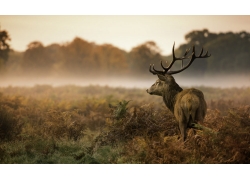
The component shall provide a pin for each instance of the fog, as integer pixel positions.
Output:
(143, 83)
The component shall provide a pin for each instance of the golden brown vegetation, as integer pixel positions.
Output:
(94, 124)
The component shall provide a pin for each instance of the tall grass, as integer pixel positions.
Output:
(94, 124)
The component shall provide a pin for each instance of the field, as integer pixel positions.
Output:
(99, 124)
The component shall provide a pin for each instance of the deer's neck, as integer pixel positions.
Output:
(169, 96)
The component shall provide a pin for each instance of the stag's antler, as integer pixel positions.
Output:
(166, 70)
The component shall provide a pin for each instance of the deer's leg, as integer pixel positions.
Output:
(183, 126)
(183, 129)
(192, 119)
(199, 115)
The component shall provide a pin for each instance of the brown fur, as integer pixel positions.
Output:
(188, 106)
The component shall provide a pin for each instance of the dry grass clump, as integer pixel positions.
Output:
(142, 121)
(231, 143)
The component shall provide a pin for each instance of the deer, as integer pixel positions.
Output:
(187, 105)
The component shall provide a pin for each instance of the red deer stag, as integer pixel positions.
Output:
(188, 105)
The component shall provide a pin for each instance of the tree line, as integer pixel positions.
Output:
(230, 55)
(230, 52)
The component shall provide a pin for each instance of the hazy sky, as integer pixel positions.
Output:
(125, 32)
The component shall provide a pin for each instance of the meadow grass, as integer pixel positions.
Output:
(100, 124)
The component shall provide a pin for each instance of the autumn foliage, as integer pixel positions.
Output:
(94, 124)
(80, 58)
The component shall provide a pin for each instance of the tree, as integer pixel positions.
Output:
(4, 46)
(83, 58)
(35, 60)
(230, 52)
(144, 55)
(77, 56)
(110, 60)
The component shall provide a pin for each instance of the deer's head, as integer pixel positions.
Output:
(166, 82)
(163, 84)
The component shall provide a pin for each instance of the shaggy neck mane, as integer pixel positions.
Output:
(169, 97)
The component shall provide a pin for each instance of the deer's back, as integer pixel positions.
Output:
(190, 102)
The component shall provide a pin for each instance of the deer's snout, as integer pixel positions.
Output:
(149, 92)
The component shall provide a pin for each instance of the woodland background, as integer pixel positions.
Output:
(80, 58)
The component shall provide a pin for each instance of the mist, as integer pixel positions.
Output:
(225, 81)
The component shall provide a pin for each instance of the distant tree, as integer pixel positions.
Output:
(85, 58)
(230, 52)
(143, 55)
(110, 60)
(36, 60)
(56, 58)
(4, 46)
(199, 38)
(78, 57)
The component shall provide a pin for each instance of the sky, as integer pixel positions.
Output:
(122, 31)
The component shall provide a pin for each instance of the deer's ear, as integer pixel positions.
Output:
(161, 77)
